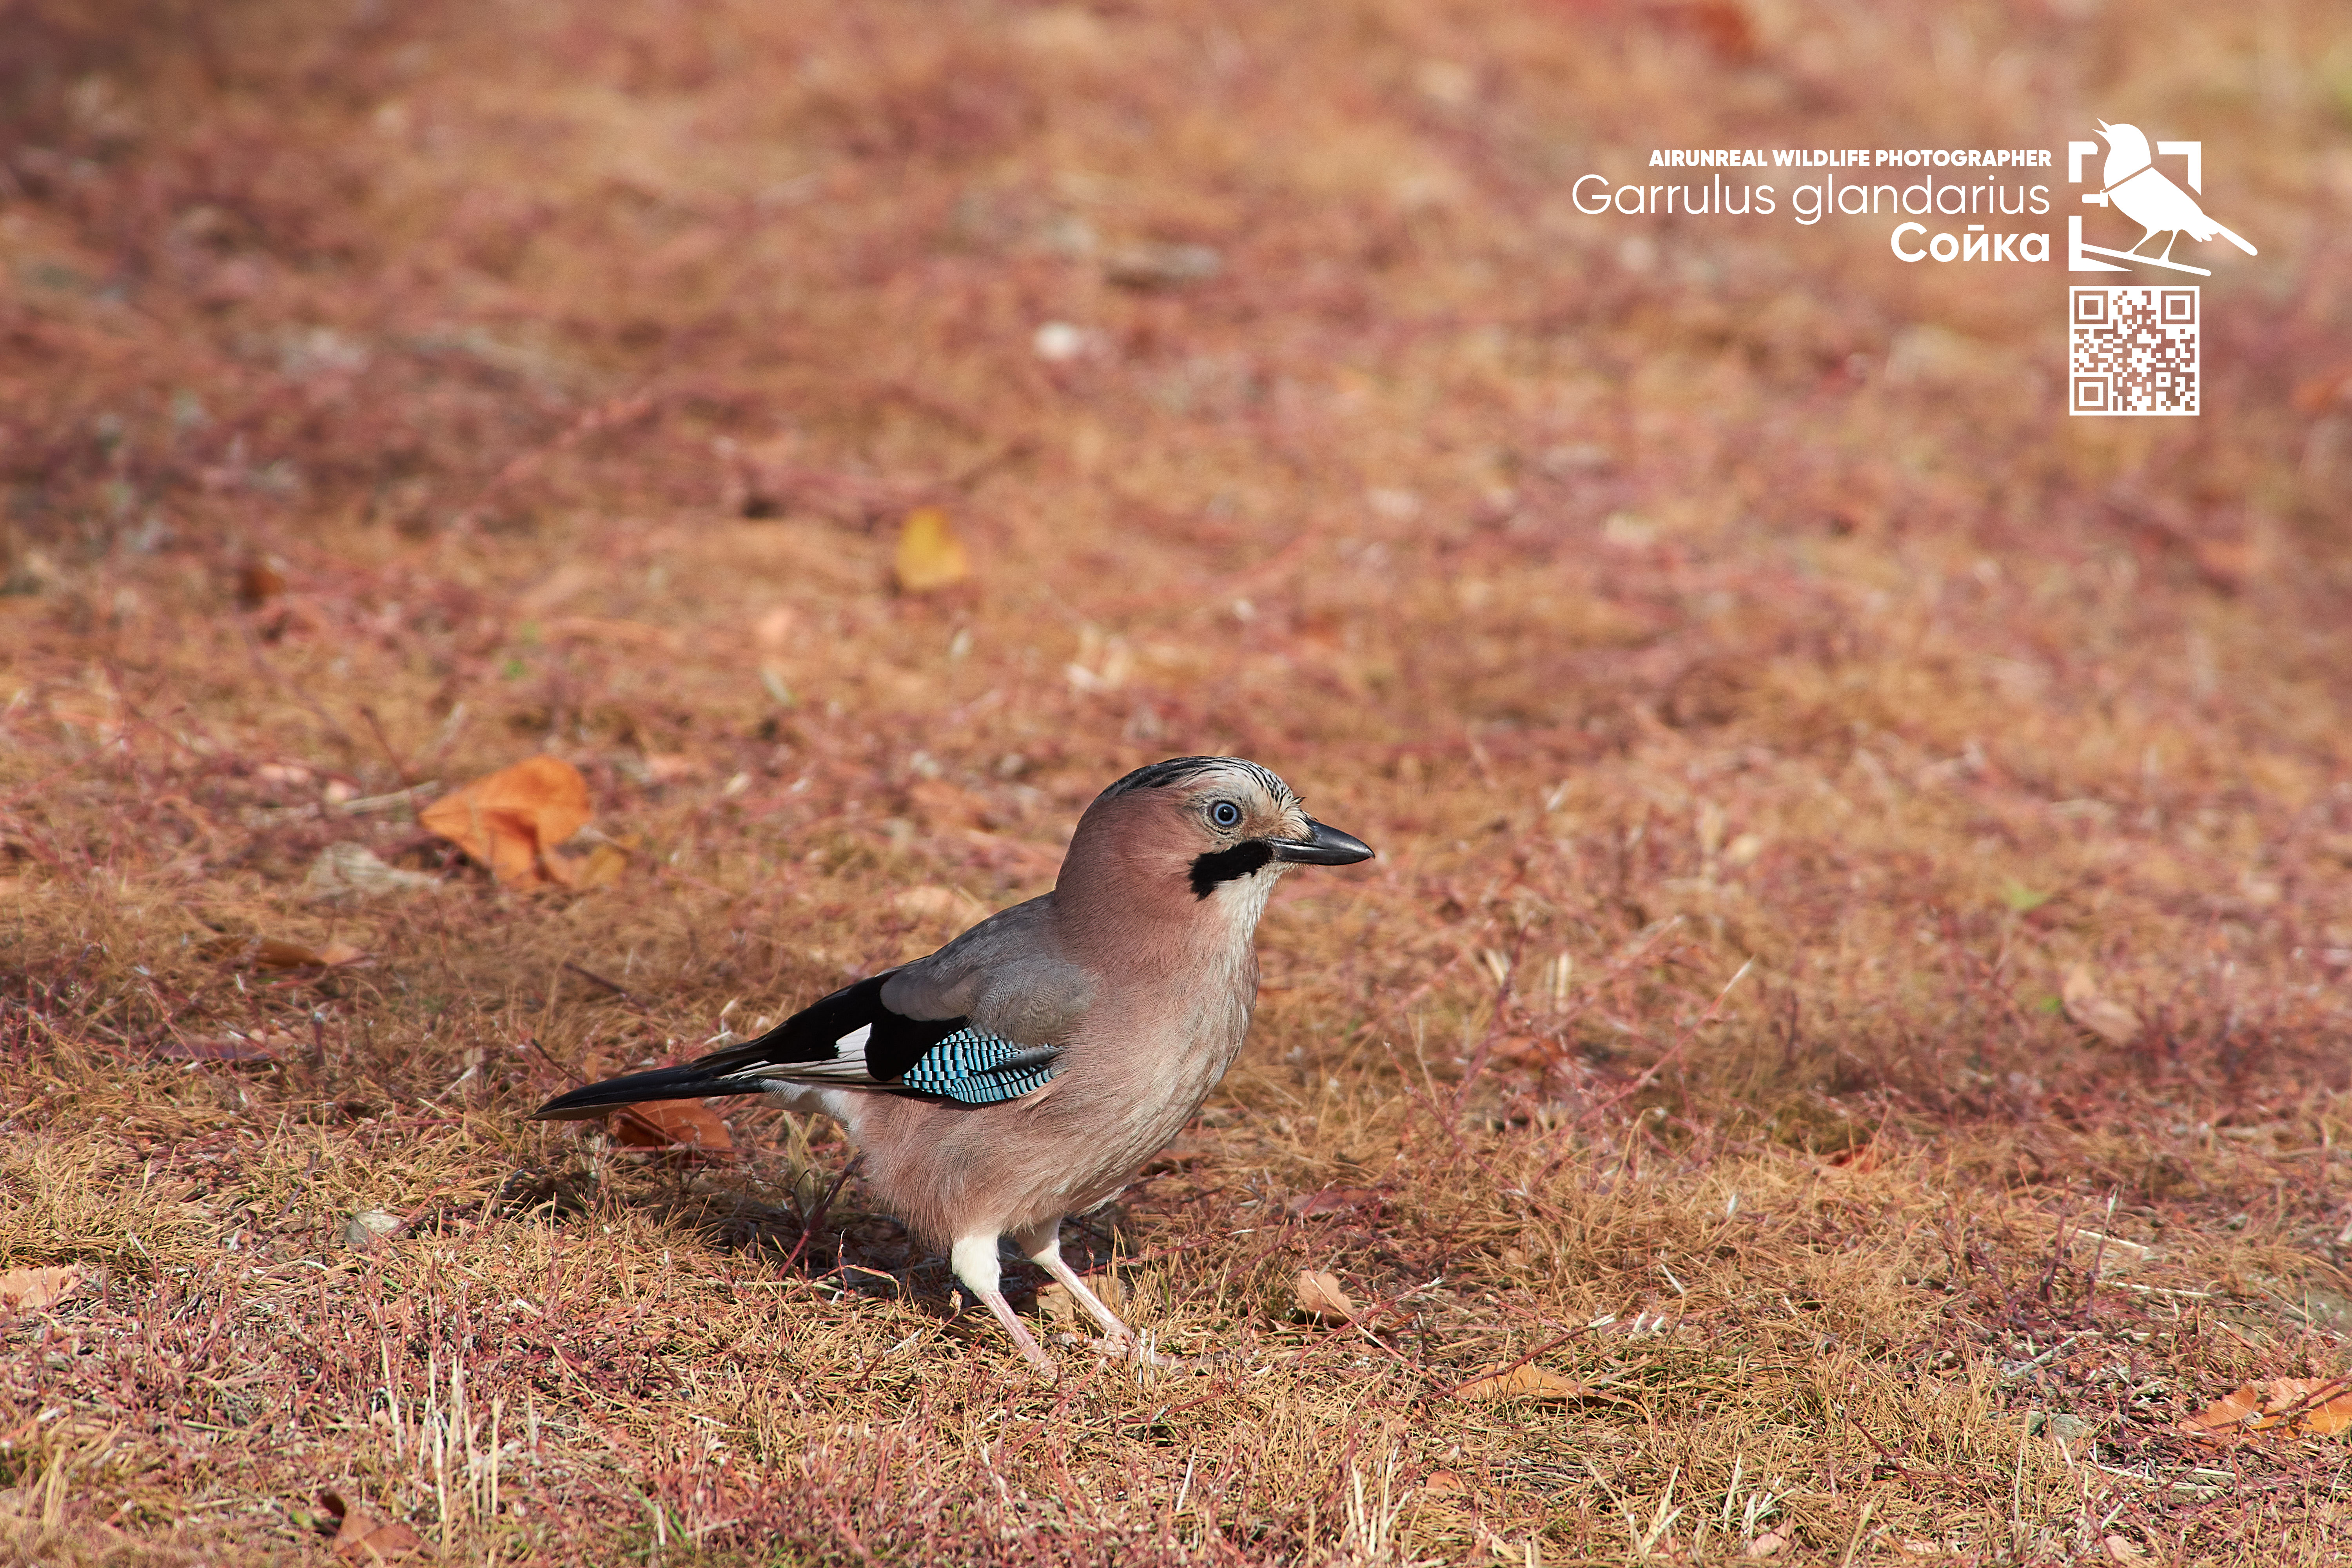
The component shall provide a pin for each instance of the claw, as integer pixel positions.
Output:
(1130, 1349)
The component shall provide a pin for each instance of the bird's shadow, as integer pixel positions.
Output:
(837, 1239)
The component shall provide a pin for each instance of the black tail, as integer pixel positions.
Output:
(690, 1082)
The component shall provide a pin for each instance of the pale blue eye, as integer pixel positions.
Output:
(1225, 814)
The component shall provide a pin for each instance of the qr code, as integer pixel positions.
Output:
(2132, 351)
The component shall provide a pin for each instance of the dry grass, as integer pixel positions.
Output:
(392, 393)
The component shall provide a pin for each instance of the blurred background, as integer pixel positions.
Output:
(399, 390)
(850, 436)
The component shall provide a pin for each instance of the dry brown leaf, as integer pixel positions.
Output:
(31, 1289)
(1441, 1482)
(276, 952)
(1861, 1159)
(2327, 1419)
(1517, 1048)
(2110, 1020)
(1331, 1200)
(1321, 1298)
(600, 868)
(259, 581)
(1058, 1304)
(2230, 1414)
(362, 1537)
(929, 556)
(683, 1127)
(1526, 1381)
(511, 819)
(370, 1229)
(2313, 1407)
(1771, 1544)
(2123, 1548)
(1061, 1307)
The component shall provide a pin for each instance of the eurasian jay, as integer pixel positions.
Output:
(1025, 1070)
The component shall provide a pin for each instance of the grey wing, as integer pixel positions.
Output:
(1009, 975)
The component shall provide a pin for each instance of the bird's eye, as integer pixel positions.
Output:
(1225, 814)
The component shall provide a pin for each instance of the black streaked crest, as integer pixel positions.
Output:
(1184, 770)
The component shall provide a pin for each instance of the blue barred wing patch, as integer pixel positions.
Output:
(972, 1066)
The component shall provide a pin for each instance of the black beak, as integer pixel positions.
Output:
(1323, 846)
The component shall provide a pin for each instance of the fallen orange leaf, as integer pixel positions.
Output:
(1525, 1382)
(1321, 1298)
(1330, 1200)
(929, 555)
(2316, 1407)
(686, 1127)
(276, 952)
(600, 868)
(30, 1289)
(2109, 1020)
(362, 1537)
(2326, 1420)
(1861, 1159)
(511, 819)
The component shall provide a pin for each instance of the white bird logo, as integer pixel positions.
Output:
(2136, 188)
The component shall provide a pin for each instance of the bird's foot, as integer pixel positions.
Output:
(1128, 1350)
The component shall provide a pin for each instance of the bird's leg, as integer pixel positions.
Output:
(974, 1259)
(2170, 243)
(1042, 1244)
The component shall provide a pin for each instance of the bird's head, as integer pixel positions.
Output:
(1196, 831)
(2127, 142)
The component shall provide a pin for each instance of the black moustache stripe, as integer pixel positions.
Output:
(1225, 865)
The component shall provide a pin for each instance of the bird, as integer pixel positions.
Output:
(2146, 195)
(1025, 1071)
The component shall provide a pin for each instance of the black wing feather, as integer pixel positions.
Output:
(816, 1034)
(850, 1039)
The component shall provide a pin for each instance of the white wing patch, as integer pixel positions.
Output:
(969, 1066)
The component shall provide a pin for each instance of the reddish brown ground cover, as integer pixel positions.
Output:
(390, 394)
